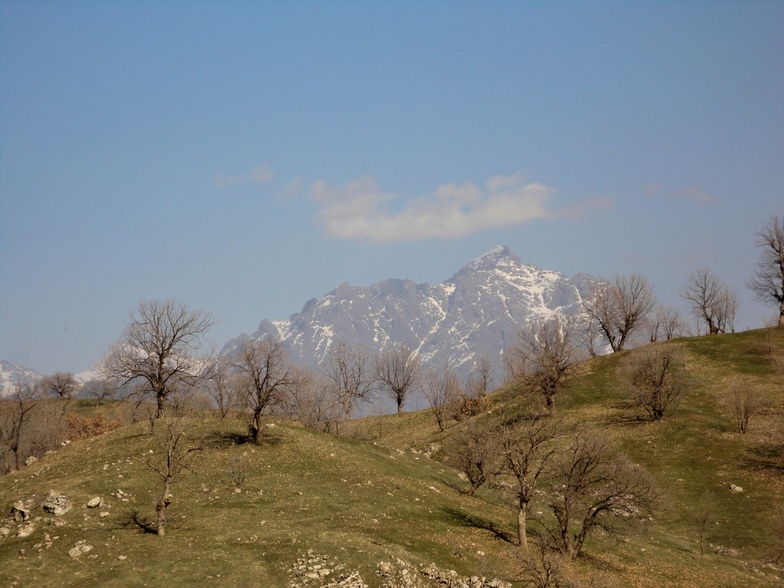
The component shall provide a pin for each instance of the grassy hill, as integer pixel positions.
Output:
(311, 503)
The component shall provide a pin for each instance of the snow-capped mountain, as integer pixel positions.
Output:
(478, 311)
(12, 375)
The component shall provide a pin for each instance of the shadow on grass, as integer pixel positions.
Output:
(468, 520)
(450, 484)
(223, 439)
(134, 518)
(766, 456)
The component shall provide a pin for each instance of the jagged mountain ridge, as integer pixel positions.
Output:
(11, 375)
(478, 311)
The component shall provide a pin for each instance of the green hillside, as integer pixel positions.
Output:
(313, 509)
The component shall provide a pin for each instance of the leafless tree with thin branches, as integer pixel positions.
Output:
(526, 448)
(477, 452)
(712, 301)
(480, 380)
(60, 385)
(441, 387)
(159, 350)
(398, 372)
(16, 413)
(595, 489)
(619, 308)
(177, 459)
(349, 373)
(266, 376)
(653, 379)
(543, 359)
(746, 403)
(665, 324)
(767, 283)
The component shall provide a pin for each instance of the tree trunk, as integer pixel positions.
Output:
(522, 537)
(160, 524)
(781, 314)
(258, 429)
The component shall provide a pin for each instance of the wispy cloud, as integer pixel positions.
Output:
(693, 193)
(258, 175)
(292, 189)
(361, 211)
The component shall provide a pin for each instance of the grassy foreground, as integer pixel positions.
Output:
(376, 497)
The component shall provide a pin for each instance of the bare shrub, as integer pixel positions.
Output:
(745, 404)
(441, 387)
(178, 456)
(542, 361)
(476, 451)
(542, 567)
(595, 489)
(238, 471)
(652, 378)
(85, 427)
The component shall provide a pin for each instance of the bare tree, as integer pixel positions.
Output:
(441, 387)
(745, 404)
(480, 380)
(526, 448)
(316, 404)
(595, 489)
(398, 372)
(266, 376)
(476, 450)
(178, 455)
(543, 359)
(60, 384)
(100, 390)
(15, 416)
(701, 520)
(666, 323)
(221, 385)
(543, 568)
(158, 350)
(767, 283)
(620, 307)
(350, 375)
(711, 300)
(653, 380)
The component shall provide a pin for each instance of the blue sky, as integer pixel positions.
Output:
(243, 157)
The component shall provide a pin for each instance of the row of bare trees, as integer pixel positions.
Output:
(569, 483)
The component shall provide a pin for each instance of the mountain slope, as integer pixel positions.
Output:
(478, 311)
(12, 375)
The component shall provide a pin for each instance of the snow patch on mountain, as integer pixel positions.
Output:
(478, 311)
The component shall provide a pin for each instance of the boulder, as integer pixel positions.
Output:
(57, 504)
(95, 502)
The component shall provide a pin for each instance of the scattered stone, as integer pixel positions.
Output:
(20, 512)
(95, 502)
(31, 460)
(57, 521)
(4, 532)
(104, 514)
(57, 504)
(79, 549)
(736, 489)
(25, 529)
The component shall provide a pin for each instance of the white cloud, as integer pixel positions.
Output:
(694, 193)
(258, 175)
(358, 211)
